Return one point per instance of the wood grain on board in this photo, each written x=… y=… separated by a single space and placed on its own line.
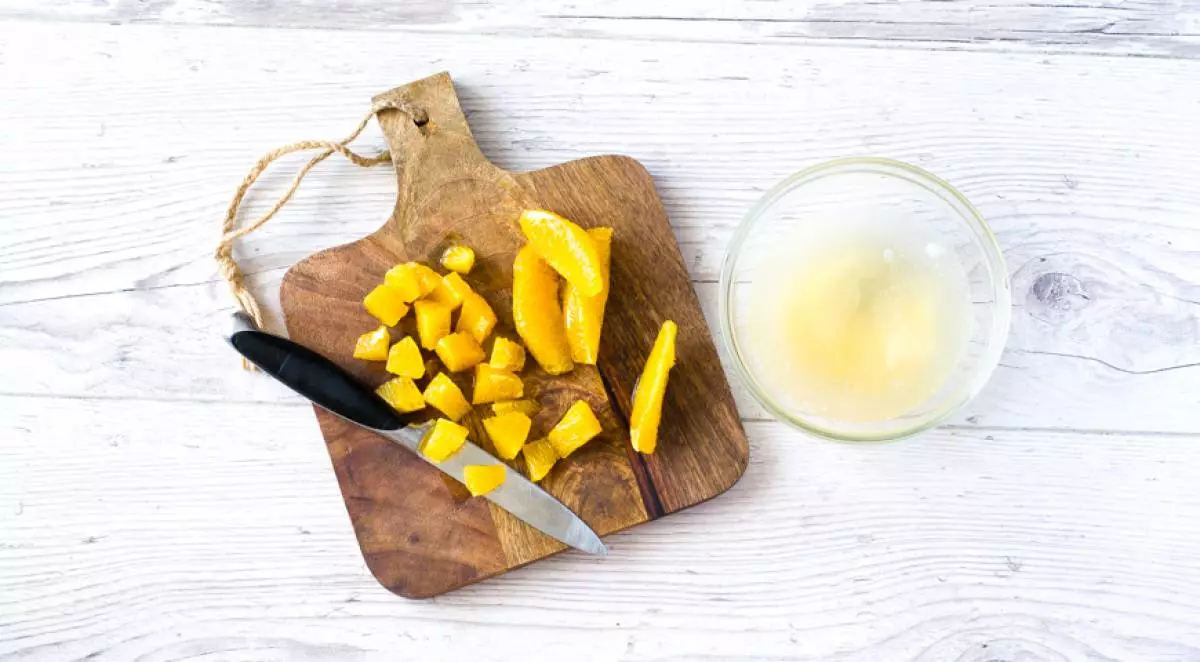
x=201 y=518
x=421 y=534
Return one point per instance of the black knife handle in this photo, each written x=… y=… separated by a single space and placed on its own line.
x=315 y=377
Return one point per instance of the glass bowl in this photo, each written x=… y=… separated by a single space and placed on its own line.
x=896 y=197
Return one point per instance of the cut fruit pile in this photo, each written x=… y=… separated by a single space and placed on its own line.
x=455 y=324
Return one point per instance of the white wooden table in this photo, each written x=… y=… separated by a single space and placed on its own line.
x=157 y=503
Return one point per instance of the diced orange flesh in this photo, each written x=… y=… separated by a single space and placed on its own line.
x=539 y=458
x=648 y=396
x=451 y=291
x=386 y=304
x=483 y=478
x=433 y=322
x=445 y=396
x=493 y=384
x=577 y=427
x=459 y=351
x=402 y=394
x=428 y=278
x=476 y=317
x=404 y=359
x=527 y=407
x=507 y=354
x=403 y=278
x=536 y=312
x=566 y=247
x=373 y=346
x=443 y=440
x=584 y=315
x=508 y=433
x=459 y=259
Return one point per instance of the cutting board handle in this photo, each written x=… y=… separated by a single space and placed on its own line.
x=431 y=145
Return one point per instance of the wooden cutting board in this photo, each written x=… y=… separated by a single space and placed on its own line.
x=420 y=532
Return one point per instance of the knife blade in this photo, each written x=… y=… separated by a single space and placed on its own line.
x=328 y=386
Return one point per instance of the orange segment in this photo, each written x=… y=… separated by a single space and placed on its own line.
x=386 y=304
x=404 y=359
x=577 y=427
x=565 y=247
x=443 y=440
x=527 y=407
x=445 y=396
x=459 y=259
x=459 y=351
x=402 y=394
x=483 y=478
x=539 y=458
x=536 y=312
x=373 y=346
x=648 y=396
x=508 y=433
x=428 y=278
x=584 y=315
x=450 y=291
x=507 y=354
x=476 y=317
x=403 y=278
x=433 y=322
x=493 y=384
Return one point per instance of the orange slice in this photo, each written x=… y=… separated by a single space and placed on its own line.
x=648 y=395
x=584 y=315
x=566 y=247
x=536 y=312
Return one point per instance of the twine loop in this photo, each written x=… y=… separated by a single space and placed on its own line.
x=226 y=265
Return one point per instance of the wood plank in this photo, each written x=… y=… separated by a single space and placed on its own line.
x=1053 y=149
x=1086 y=185
x=1148 y=27
x=216 y=530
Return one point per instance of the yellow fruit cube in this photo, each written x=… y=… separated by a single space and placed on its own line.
x=459 y=258
x=476 y=317
x=445 y=396
x=404 y=359
x=433 y=322
x=483 y=478
x=508 y=433
x=508 y=355
x=459 y=351
x=577 y=427
x=450 y=291
x=402 y=394
x=648 y=396
x=386 y=304
x=403 y=278
x=428 y=278
x=373 y=346
x=443 y=440
x=584 y=315
x=539 y=458
x=527 y=407
x=492 y=384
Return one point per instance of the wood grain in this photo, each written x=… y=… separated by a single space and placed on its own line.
x=1150 y=27
x=157 y=503
x=217 y=531
x=449 y=193
x=1075 y=172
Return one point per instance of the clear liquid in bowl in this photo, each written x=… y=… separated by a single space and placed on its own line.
x=859 y=320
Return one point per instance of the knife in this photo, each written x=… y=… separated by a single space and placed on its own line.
x=330 y=387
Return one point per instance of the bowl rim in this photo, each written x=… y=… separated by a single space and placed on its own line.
x=997 y=270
